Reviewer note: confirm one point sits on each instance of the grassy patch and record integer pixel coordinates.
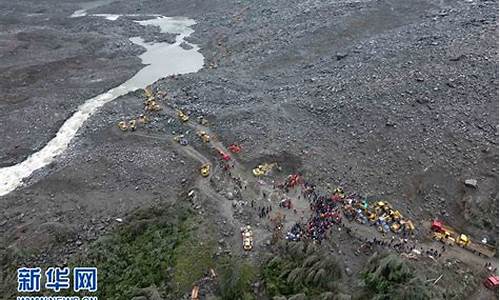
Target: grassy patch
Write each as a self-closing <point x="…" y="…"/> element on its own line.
<point x="192" y="258"/>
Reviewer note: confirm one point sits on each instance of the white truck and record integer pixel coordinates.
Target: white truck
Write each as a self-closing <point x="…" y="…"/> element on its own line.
<point x="247" y="237"/>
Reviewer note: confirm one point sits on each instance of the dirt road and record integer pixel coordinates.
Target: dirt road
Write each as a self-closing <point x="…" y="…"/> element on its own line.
<point x="255" y="188"/>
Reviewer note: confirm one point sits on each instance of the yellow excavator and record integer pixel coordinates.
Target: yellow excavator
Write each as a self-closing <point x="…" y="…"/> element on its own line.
<point x="247" y="238"/>
<point x="444" y="237"/>
<point x="409" y="226"/>
<point x="462" y="240"/>
<point x="372" y="217"/>
<point x="123" y="125"/>
<point x="205" y="170"/>
<point x="150" y="104"/>
<point x="395" y="227"/>
<point x="148" y="92"/>
<point x="263" y="169"/>
<point x="204" y="136"/>
<point x="339" y="192"/>
<point x="182" y="116"/>
<point x="132" y="125"/>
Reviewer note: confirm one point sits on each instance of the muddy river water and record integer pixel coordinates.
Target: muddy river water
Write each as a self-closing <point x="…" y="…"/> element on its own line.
<point x="161" y="59"/>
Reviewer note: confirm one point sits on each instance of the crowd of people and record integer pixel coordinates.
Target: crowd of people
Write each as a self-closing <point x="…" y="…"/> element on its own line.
<point x="325" y="213"/>
<point x="295" y="233"/>
<point x="264" y="211"/>
<point x="326" y="210"/>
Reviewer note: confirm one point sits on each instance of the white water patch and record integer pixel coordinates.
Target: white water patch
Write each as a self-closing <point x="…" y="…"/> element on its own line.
<point x="162" y="60"/>
<point x="79" y="13"/>
<point x="113" y="17"/>
<point x="110" y="17"/>
<point x="89" y="5"/>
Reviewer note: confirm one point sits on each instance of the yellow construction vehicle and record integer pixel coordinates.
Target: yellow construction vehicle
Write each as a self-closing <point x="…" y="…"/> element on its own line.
<point x="372" y="217"/>
<point x="182" y="116"/>
<point x="148" y="92"/>
<point x="396" y="227"/>
<point x="339" y="192"/>
<point x="204" y="136"/>
<point x="247" y="238"/>
<point x="379" y="207"/>
<point x="409" y="227"/>
<point x="151" y="105"/>
<point x="395" y="215"/>
<point x="441" y="231"/>
<point x="444" y="237"/>
<point x="123" y="125"/>
<point x="132" y="124"/>
<point x="205" y="170"/>
<point x="262" y="169"/>
<point x="462" y="240"/>
<point x="258" y="171"/>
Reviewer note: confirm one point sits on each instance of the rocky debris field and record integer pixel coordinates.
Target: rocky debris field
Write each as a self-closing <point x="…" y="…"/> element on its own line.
<point x="51" y="63"/>
<point x="392" y="99"/>
<point x="399" y="101"/>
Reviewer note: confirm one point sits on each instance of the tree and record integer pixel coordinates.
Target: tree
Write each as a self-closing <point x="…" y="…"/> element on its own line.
<point x="389" y="277"/>
<point x="235" y="280"/>
<point x="302" y="268"/>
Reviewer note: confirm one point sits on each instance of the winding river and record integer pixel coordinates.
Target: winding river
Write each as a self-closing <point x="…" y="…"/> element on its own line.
<point x="161" y="59"/>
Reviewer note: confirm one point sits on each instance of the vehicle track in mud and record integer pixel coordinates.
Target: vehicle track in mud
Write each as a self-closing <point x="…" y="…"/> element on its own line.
<point x="203" y="184"/>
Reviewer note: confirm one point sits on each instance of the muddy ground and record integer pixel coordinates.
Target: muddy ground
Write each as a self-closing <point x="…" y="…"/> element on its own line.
<point x="396" y="99"/>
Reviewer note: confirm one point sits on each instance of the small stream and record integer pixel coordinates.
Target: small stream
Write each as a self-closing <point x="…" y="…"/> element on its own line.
<point x="162" y="60"/>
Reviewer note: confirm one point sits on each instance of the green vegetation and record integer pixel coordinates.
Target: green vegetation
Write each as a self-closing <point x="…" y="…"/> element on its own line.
<point x="387" y="276"/>
<point x="9" y="260"/>
<point x="159" y="252"/>
<point x="300" y="268"/>
<point x="236" y="278"/>
<point x="192" y="260"/>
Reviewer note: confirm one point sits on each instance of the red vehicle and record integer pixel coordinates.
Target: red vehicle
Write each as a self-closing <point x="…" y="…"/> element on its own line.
<point x="437" y="226"/>
<point x="234" y="148"/>
<point x="293" y="180"/>
<point x="224" y="156"/>
<point x="491" y="282"/>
